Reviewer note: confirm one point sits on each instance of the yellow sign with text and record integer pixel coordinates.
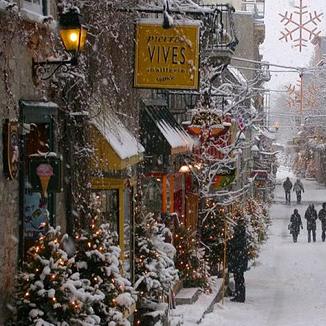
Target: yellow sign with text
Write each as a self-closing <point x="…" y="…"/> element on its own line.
<point x="167" y="58"/>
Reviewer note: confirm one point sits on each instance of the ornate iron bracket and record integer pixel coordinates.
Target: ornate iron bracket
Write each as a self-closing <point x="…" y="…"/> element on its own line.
<point x="44" y="70"/>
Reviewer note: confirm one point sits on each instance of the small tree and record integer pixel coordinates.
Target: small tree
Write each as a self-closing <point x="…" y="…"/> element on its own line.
<point x="42" y="295"/>
<point x="213" y="234"/>
<point x="98" y="261"/>
<point x="155" y="269"/>
<point x="190" y="259"/>
<point x="85" y="289"/>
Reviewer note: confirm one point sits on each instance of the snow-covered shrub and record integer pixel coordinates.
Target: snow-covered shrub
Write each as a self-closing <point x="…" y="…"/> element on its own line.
<point x="55" y="289"/>
<point x="98" y="261"/>
<point x="257" y="223"/>
<point x="43" y="295"/>
<point x="190" y="259"/>
<point x="155" y="269"/>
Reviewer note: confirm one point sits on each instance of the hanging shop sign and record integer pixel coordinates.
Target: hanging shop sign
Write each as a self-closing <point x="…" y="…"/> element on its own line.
<point x="167" y="58"/>
<point x="45" y="174"/>
<point x="10" y="149"/>
<point x="224" y="179"/>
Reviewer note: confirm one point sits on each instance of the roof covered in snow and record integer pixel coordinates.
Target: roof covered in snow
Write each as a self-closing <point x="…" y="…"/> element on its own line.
<point x="117" y="135"/>
<point x="161" y="118"/>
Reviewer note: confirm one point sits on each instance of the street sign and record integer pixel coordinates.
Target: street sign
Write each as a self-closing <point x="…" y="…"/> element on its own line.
<point x="167" y="58"/>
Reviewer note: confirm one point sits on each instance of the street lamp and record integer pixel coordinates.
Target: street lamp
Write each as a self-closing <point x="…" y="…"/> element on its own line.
<point x="73" y="36"/>
<point x="72" y="32"/>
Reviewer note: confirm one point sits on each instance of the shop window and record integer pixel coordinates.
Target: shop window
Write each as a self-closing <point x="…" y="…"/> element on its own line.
<point x="152" y="194"/>
<point x="36" y="6"/>
<point x="109" y="207"/>
<point x="38" y="209"/>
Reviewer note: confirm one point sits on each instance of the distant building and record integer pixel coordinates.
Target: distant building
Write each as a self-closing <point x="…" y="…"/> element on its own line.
<point x="320" y="50"/>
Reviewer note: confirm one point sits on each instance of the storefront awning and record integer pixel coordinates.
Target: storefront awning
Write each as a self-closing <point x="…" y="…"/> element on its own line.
<point x="161" y="133"/>
<point x="116" y="148"/>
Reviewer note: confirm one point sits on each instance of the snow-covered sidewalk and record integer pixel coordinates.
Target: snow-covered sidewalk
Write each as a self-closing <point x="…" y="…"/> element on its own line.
<point x="287" y="286"/>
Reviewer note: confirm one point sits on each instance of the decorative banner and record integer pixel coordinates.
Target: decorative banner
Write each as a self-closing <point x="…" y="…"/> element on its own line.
<point x="167" y="58"/>
<point x="10" y="149"/>
<point x="45" y="174"/>
<point x="300" y="26"/>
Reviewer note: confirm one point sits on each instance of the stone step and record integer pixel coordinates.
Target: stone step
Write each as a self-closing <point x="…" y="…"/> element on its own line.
<point x="194" y="314"/>
<point x="187" y="296"/>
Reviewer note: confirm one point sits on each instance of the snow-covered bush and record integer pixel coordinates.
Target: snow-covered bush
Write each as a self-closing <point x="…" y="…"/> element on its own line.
<point x="48" y="293"/>
<point x="60" y="288"/>
<point x="98" y="261"/>
<point x="257" y="223"/>
<point x="190" y="259"/>
<point x="155" y="269"/>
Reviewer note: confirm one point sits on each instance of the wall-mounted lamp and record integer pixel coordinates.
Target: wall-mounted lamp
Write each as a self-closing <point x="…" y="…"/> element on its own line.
<point x="185" y="169"/>
<point x="73" y="36"/>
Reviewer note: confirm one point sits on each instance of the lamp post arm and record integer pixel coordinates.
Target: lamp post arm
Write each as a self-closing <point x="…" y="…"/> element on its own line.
<point x="44" y="70"/>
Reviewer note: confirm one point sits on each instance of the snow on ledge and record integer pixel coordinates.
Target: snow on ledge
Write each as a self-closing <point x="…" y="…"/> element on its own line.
<point x="11" y="8"/>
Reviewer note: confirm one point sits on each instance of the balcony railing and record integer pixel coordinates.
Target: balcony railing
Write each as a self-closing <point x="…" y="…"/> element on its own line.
<point x="219" y="38"/>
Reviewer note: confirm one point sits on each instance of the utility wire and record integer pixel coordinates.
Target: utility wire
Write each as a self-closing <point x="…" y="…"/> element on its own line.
<point x="298" y="69"/>
<point x="258" y="69"/>
<point x="291" y="68"/>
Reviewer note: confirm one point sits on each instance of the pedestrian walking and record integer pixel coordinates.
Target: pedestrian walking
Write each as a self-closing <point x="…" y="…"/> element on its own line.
<point x="295" y="225"/>
<point x="238" y="259"/>
<point x="322" y="217"/>
<point x="287" y="185"/>
<point x="298" y="188"/>
<point x="311" y="217"/>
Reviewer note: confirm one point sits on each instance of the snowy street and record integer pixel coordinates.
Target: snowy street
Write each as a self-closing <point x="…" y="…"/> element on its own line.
<point x="287" y="286"/>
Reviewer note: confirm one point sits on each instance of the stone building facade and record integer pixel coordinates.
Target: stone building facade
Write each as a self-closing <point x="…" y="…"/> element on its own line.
<point x="102" y="81"/>
<point x="24" y="31"/>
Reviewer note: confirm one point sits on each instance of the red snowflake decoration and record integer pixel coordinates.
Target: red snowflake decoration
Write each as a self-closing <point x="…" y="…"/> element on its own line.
<point x="299" y="25"/>
<point x="309" y="93"/>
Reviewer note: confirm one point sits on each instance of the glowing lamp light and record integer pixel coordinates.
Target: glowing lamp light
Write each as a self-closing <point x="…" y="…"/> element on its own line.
<point x="73" y="35"/>
<point x="72" y="31"/>
<point x="185" y="169"/>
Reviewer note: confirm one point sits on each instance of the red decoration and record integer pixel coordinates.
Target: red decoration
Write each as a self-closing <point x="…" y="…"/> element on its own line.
<point x="300" y="26"/>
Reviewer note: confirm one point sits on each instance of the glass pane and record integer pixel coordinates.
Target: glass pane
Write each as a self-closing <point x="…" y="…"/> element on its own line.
<point x="33" y="6"/>
<point x="152" y="195"/>
<point x="108" y="204"/>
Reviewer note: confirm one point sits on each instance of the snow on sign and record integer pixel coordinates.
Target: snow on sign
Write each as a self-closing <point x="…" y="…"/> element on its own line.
<point x="299" y="25"/>
<point x="167" y="58"/>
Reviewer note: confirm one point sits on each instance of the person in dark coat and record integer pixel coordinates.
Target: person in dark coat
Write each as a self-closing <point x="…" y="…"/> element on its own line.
<point x="298" y="188"/>
<point x="287" y="185"/>
<point x="238" y="259"/>
<point x="311" y="217"/>
<point x="295" y="224"/>
<point x="322" y="217"/>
